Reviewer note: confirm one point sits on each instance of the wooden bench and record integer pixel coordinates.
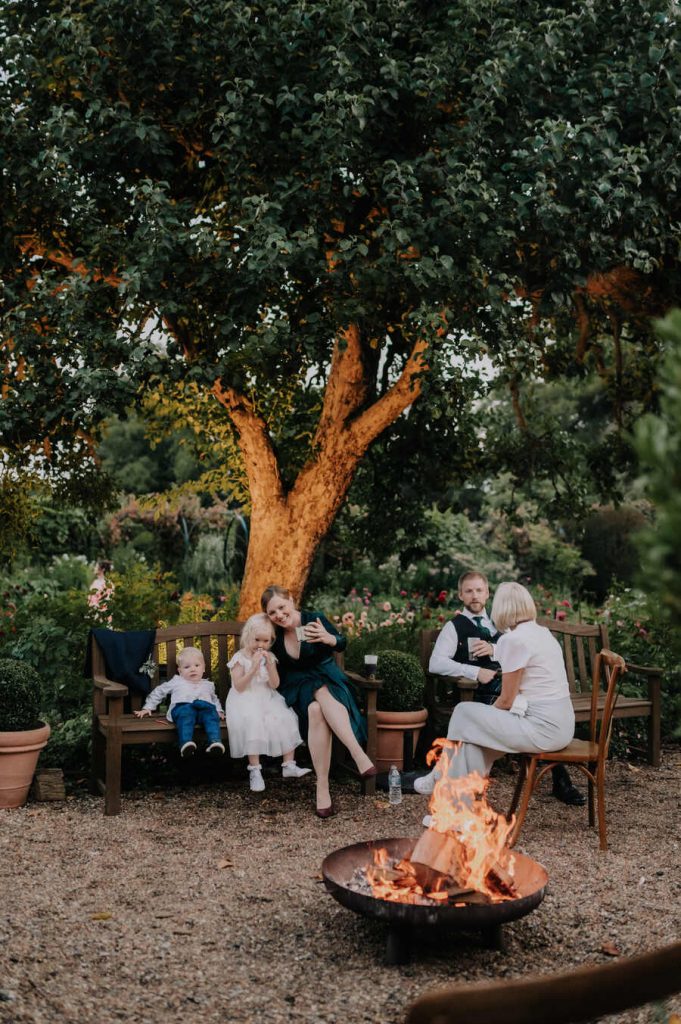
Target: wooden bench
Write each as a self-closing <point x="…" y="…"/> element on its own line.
<point x="580" y="643"/>
<point x="114" y="725"/>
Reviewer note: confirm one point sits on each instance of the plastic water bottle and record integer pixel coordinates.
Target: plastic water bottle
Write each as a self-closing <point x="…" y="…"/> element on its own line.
<point x="394" y="786"/>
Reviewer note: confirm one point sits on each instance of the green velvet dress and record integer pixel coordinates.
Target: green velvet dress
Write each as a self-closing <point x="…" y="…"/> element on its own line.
<point x="316" y="666"/>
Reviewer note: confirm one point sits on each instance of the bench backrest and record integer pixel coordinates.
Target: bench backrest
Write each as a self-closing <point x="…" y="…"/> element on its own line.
<point x="580" y="642"/>
<point x="217" y="641"/>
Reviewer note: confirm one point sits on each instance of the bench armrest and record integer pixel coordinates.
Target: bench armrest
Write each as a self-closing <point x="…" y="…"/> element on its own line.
<point x="363" y="682"/>
<point x="109" y="688"/>
<point x="643" y="670"/>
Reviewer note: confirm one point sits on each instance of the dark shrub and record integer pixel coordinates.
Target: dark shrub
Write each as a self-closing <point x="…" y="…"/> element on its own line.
<point x="403" y="682"/>
<point x="19" y="696"/>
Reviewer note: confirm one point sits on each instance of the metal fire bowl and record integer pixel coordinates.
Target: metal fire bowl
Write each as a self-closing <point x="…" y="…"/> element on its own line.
<point x="529" y="876"/>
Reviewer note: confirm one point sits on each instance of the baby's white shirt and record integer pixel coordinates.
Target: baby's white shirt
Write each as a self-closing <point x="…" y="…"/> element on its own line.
<point x="182" y="691"/>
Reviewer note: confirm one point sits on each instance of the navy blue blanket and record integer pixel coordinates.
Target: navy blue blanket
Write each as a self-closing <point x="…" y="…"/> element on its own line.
<point x="124" y="655"/>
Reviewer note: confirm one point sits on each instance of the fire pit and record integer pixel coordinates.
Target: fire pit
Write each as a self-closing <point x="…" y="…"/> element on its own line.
<point x="406" y="918"/>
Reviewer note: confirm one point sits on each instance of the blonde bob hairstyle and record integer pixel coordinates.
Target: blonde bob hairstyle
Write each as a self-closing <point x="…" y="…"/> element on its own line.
<point x="512" y="604"/>
<point x="253" y="626"/>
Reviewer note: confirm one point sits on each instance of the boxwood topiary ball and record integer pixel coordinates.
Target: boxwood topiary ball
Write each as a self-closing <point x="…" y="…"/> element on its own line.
<point x="19" y="696"/>
<point x="403" y="682"/>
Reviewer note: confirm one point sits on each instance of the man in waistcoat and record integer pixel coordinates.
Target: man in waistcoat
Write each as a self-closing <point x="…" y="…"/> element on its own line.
<point x="465" y="647"/>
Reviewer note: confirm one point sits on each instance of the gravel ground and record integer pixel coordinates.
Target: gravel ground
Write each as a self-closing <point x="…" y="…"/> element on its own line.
<point x="206" y="903"/>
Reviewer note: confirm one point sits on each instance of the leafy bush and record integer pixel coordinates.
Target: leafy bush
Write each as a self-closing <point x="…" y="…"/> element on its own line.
<point x="403" y="682"/>
<point x="639" y="630"/>
<point x="19" y="696"/>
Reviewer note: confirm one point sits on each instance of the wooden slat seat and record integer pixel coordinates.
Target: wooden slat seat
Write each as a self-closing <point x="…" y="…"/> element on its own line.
<point x="115" y="726"/>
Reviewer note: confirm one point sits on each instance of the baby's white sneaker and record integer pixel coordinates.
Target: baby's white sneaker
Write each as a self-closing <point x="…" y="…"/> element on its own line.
<point x="427" y="821"/>
<point x="426" y="784"/>
<point x="215" y="749"/>
<point x="255" y="779"/>
<point x="188" y="749"/>
<point x="290" y="770"/>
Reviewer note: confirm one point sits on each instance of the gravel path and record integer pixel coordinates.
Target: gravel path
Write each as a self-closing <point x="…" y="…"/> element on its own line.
<point x="206" y="903"/>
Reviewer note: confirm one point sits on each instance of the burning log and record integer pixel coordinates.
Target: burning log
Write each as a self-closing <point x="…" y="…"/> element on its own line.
<point x="441" y="863"/>
<point x="501" y="880"/>
<point x="439" y="859"/>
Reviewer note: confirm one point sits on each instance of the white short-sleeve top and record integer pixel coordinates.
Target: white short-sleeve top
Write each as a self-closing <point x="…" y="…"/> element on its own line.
<point x="534" y="649"/>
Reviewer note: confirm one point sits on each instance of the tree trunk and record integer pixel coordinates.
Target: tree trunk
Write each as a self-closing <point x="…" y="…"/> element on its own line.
<point x="286" y="529"/>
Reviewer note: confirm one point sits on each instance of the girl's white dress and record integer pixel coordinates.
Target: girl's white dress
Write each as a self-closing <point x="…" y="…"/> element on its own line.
<point x="259" y="720"/>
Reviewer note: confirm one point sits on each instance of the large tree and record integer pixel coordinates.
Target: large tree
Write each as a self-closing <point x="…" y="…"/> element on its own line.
<point x="322" y="208"/>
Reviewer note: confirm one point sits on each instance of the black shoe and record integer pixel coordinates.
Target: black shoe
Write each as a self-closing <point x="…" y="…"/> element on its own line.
<point x="564" y="790"/>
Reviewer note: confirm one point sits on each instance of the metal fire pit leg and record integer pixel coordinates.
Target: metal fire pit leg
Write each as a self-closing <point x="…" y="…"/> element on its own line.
<point x="493" y="937"/>
<point x="397" y="945"/>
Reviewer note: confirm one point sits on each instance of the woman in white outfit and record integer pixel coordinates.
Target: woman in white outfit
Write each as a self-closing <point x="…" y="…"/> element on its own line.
<point x="533" y="713"/>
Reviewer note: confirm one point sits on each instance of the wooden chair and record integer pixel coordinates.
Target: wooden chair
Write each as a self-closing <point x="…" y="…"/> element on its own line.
<point x="589" y="756"/>
<point x="574" y="997"/>
<point x="114" y="725"/>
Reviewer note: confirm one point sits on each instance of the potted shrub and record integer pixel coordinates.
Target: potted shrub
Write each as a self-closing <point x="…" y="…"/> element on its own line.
<point x="22" y="734"/>
<point x="399" y="705"/>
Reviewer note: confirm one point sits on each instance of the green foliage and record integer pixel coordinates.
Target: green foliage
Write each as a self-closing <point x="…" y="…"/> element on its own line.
<point x="658" y="440"/>
<point x="69" y="746"/>
<point x="142" y="598"/>
<point x="18" y="512"/>
<point x="251" y="179"/>
<point x="640" y="630"/>
<point x="19" y="696"/>
<point x="204" y="569"/>
<point x="543" y="554"/>
<point x="608" y="542"/>
<point x="403" y="682"/>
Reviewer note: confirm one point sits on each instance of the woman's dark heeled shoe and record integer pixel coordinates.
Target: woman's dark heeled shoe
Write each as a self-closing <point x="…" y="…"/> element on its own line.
<point x="369" y="773"/>
<point x="326" y="812"/>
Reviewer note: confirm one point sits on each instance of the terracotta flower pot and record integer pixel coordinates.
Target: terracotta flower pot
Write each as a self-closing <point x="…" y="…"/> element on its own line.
<point x="391" y="726"/>
<point x="19" y="752"/>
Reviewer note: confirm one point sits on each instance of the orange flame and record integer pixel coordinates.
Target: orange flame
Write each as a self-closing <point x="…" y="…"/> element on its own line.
<point x="458" y="808"/>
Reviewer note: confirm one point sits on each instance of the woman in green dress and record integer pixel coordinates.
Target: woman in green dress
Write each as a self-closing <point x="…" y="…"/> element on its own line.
<point x="315" y="687"/>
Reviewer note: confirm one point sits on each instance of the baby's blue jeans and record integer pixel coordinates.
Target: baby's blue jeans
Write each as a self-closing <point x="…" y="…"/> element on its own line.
<point x="200" y="712"/>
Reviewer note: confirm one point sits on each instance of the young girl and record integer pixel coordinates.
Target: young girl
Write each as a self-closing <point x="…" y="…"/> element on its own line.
<point x="258" y="719"/>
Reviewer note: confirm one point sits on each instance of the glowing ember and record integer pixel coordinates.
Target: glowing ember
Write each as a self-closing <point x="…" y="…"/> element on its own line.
<point x="462" y="857"/>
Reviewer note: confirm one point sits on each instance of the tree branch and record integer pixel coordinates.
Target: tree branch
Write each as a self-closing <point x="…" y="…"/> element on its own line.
<point x="346" y="389"/>
<point x="260" y="461"/>
<point x="385" y="411"/>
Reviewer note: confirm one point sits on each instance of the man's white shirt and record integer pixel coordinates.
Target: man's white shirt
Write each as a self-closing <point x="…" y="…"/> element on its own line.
<point x="442" y="661"/>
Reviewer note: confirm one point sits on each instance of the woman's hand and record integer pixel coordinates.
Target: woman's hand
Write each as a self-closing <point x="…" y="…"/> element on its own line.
<point x="316" y="634"/>
<point x="142" y="713"/>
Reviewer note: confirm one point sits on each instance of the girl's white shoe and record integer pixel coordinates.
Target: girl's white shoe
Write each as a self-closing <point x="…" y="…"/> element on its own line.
<point x="255" y="779"/>
<point x="290" y="770"/>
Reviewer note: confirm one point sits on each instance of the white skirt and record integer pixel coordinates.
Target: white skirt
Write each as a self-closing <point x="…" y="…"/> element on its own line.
<point x="260" y="722"/>
<point x="487" y="733"/>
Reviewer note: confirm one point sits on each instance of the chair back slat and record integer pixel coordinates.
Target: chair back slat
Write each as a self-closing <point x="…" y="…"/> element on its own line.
<point x="427" y="638"/>
<point x="608" y="668"/>
<point x="581" y="643"/>
<point x="570" y="663"/>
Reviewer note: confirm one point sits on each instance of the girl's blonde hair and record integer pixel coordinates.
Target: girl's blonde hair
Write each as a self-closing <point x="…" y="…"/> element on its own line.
<point x="186" y="652"/>
<point x="254" y="625"/>
<point x="512" y="604"/>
